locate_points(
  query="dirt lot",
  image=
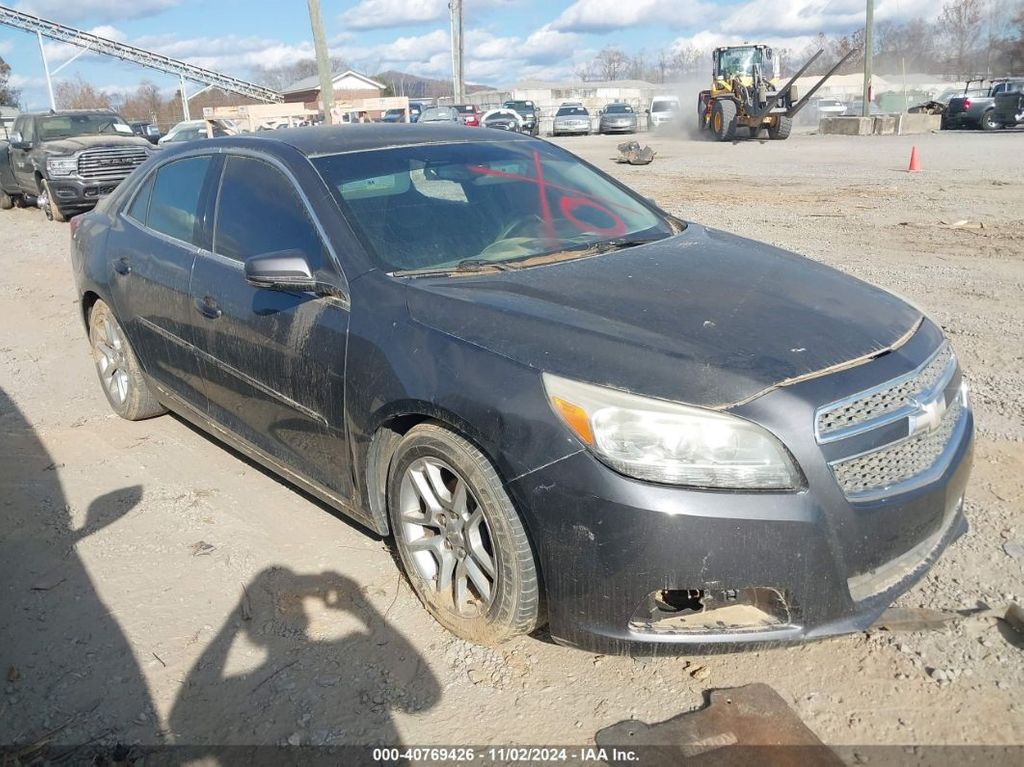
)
(155, 587)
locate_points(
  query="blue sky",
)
(506, 40)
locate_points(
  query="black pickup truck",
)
(65, 162)
(976, 108)
(1009, 109)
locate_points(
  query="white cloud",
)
(380, 14)
(601, 16)
(95, 10)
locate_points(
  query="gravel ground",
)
(156, 588)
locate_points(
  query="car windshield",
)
(619, 109)
(53, 127)
(394, 113)
(519, 106)
(665, 105)
(489, 204)
(438, 113)
(571, 111)
(466, 108)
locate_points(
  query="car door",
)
(273, 360)
(152, 246)
(21, 161)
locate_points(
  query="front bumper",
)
(628, 128)
(78, 194)
(607, 544)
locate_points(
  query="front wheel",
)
(723, 119)
(779, 129)
(6, 201)
(52, 209)
(460, 540)
(118, 368)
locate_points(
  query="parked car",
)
(197, 132)
(617, 118)
(856, 108)
(147, 130)
(976, 107)
(528, 115)
(440, 115)
(571, 120)
(415, 110)
(1008, 109)
(222, 127)
(502, 119)
(394, 116)
(829, 107)
(664, 109)
(469, 114)
(65, 162)
(563, 404)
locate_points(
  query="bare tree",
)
(9, 97)
(78, 94)
(280, 77)
(960, 24)
(611, 63)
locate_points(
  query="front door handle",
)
(122, 266)
(208, 307)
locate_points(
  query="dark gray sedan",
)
(561, 403)
(617, 118)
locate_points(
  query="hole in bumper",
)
(711, 612)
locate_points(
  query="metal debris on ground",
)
(725, 733)
(202, 548)
(632, 153)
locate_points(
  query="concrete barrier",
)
(846, 126)
(907, 123)
(885, 125)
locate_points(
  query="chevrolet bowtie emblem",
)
(928, 415)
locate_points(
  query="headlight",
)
(61, 166)
(663, 441)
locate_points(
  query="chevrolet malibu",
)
(562, 404)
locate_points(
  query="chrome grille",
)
(110, 163)
(900, 461)
(894, 395)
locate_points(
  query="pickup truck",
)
(1009, 109)
(976, 109)
(65, 162)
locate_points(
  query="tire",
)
(53, 211)
(988, 121)
(723, 119)
(118, 368)
(6, 201)
(702, 107)
(451, 517)
(780, 128)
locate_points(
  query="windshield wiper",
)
(465, 265)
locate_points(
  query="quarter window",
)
(259, 211)
(140, 205)
(174, 202)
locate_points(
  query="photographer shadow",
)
(301, 660)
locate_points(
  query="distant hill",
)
(416, 87)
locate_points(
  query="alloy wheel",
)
(111, 360)
(444, 531)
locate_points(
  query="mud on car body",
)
(564, 405)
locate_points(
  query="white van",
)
(664, 109)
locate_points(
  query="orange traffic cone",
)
(914, 164)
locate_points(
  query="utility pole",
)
(869, 46)
(458, 78)
(323, 64)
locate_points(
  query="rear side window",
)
(139, 208)
(174, 200)
(259, 211)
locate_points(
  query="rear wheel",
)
(723, 119)
(118, 368)
(780, 128)
(6, 201)
(988, 120)
(459, 538)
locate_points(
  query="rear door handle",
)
(208, 307)
(122, 266)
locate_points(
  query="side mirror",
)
(18, 142)
(282, 270)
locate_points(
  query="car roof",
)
(368, 137)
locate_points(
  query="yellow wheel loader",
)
(745, 93)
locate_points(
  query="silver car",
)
(571, 120)
(617, 118)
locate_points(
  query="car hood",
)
(704, 317)
(77, 143)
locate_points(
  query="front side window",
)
(435, 206)
(174, 202)
(259, 212)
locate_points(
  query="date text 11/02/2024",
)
(505, 754)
